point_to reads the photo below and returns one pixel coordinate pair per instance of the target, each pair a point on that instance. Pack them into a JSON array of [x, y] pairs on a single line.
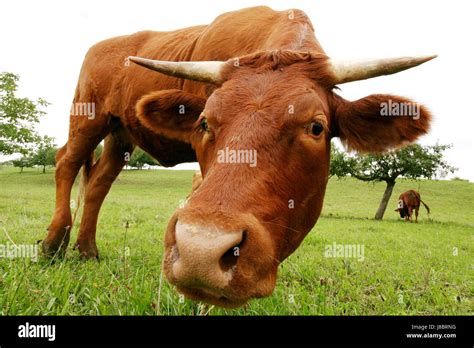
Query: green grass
[[408, 268]]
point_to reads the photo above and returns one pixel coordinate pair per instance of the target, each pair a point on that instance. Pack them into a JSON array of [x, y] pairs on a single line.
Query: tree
[[22, 162], [139, 158], [412, 161], [45, 153], [17, 117]]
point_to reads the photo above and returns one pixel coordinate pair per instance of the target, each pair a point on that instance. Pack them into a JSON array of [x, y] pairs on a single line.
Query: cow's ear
[[378, 122], [171, 113]]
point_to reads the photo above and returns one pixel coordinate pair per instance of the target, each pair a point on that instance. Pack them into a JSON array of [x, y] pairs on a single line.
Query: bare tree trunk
[[44, 169], [385, 198]]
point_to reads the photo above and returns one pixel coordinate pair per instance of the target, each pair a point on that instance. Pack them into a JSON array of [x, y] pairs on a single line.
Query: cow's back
[[115, 83], [117, 87], [410, 198]]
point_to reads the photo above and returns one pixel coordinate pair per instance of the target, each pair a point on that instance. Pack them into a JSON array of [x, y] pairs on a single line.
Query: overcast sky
[[45, 42]]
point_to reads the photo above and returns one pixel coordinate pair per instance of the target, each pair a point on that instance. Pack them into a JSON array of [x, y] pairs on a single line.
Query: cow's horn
[[209, 71], [355, 70]]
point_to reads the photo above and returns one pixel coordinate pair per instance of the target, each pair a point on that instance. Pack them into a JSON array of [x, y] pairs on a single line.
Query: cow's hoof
[[56, 242], [87, 251], [55, 248]]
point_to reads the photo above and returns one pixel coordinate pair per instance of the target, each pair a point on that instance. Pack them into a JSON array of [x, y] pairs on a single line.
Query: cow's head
[[401, 211], [262, 140]]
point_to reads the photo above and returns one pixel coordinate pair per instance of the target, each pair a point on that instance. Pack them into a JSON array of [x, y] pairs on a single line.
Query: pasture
[[408, 269]]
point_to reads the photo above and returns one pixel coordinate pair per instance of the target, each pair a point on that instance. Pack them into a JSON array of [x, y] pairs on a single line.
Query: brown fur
[[281, 67]]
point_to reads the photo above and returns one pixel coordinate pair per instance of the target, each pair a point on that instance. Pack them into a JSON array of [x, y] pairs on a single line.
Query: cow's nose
[[205, 256]]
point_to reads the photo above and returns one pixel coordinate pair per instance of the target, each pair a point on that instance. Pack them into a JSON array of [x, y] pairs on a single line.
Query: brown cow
[[197, 180], [265, 89], [409, 201]]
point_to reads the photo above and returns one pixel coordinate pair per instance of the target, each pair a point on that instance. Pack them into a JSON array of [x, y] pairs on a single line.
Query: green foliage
[[23, 162], [139, 158], [45, 152], [412, 162], [17, 117], [340, 164]]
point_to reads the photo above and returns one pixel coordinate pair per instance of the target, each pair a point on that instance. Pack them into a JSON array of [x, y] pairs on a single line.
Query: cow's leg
[[117, 150], [410, 212], [69, 160]]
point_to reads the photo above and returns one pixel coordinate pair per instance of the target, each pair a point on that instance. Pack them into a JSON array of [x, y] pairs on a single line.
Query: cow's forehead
[[282, 95]]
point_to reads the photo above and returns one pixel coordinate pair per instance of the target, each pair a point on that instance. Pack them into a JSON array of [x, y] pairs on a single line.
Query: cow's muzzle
[[219, 260]]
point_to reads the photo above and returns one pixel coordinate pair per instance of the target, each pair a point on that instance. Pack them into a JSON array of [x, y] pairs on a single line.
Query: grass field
[[425, 268]]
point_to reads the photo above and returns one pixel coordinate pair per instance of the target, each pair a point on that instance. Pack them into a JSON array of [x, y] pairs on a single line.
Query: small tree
[[45, 153], [412, 161], [17, 117], [22, 162], [139, 158]]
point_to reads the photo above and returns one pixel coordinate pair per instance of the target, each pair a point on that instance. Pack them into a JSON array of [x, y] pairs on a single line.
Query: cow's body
[[408, 202], [273, 96], [115, 86]]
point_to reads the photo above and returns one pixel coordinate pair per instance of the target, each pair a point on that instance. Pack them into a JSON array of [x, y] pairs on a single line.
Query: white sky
[[45, 42]]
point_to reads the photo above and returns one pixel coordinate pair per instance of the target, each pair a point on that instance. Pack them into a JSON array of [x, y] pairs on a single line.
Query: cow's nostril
[[231, 256], [204, 256], [229, 259]]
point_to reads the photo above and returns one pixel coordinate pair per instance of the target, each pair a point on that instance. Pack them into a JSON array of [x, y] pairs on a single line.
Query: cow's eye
[[316, 128], [204, 125]]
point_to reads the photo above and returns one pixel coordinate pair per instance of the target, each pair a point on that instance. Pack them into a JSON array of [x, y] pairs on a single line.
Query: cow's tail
[[85, 173], [427, 208]]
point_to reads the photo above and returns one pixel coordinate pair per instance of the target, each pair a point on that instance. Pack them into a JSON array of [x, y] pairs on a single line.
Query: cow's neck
[[270, 30], [232, 36]]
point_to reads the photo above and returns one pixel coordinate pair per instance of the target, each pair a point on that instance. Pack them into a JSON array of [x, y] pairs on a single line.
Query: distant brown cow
[[253, 84], [197, 180], [409, 201]]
